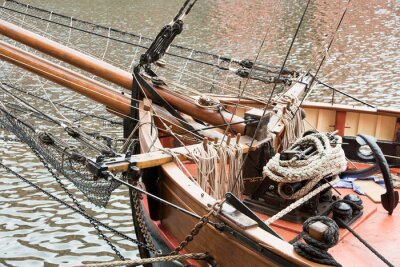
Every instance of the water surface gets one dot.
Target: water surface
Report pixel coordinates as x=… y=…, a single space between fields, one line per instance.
x=363 y=61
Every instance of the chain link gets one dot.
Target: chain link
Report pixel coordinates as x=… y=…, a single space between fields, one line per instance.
x=196 y=229
x=84 y=214
x=78 y=205
x=9 y=139
x=253 y=179
x=141 y=222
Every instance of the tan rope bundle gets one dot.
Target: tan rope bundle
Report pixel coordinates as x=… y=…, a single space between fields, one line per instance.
x=328 y=161
x=218 y=168
x=235 y=156
x=207 y=172
x=294 y=125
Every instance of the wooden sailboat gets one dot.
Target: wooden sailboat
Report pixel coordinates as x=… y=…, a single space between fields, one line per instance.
x=224 y=227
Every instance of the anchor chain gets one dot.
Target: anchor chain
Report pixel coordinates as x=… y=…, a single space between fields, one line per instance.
x=78 y=205
x=9 y=139
x=141 y=222
x=83 y=214
x=196 y=229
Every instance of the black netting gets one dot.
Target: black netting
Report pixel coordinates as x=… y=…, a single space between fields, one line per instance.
x=61 y=158
x=185 y=70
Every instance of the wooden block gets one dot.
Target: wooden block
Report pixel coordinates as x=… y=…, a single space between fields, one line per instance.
x=146 y=104
x=317 y=230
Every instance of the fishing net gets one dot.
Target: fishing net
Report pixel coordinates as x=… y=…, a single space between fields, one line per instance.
x=65 y=154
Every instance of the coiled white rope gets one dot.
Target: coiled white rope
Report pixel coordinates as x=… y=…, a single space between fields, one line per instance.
x=329 y=160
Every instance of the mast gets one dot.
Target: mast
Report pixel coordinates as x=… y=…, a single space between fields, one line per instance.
x=115 y=75
x=92 y=89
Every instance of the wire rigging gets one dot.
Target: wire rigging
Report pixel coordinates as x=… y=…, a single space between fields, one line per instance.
x=314 y=77
x=270 y=98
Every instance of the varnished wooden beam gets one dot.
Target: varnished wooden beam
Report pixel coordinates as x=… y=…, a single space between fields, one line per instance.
x=88 y=87
x=115 y=75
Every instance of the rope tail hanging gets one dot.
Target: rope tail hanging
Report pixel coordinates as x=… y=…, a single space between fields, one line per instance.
x=294 y=124
x=235 y=155
x=217 y=168
x=206 y=158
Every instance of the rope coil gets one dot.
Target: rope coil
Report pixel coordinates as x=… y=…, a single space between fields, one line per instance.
x=329 y=160
x=315 y=250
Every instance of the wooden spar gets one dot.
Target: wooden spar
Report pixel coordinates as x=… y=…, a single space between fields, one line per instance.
x=70 y=79
x=275 y=123
x=158 y=158
x=114 y=74
x=115 y=102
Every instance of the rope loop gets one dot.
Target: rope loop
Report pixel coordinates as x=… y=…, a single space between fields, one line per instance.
x=330 y=236
x=317 y=250
x=327 y=160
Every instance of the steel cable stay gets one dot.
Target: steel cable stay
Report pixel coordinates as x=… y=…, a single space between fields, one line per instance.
x=54 y=104
x=213 y=82
x=27 y=25
x=171 y=123
x=93 y=221
x=271 y=95
x=113 y=122
x=243 y=63
x=245 y=85
x=80 y=135
x=77 y=210
x=140 y=109
x=62 y=105
x=112 y=176
x=18 y=113
x=126 y=116
x=314 y=77
x=333 y=89
x=195 y=75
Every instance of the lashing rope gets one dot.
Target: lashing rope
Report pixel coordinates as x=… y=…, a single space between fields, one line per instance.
x=218 y=165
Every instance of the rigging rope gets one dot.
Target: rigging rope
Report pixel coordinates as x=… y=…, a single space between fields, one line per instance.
x=78 y=205
x=314 y=77
x=62 y=156
x=301 y=201
x=246 y=64
x=275 y=83
x=217 y=167
x=85 y=215
x=364 y=242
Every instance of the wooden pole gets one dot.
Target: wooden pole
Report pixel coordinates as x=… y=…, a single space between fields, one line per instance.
x=65 y=77
x=115 y=102
x=114 y=74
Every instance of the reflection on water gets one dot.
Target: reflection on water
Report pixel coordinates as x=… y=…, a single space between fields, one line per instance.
x=363 y=61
